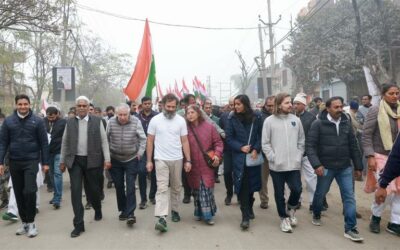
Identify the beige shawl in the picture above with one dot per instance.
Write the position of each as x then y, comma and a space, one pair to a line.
384, 123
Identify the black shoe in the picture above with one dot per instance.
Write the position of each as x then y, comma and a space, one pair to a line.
374, 224
325, 205
37, 210
109, 184
217, 180
50, 190
228, 200
264, 205
98, 215
393, 228
175, 216
186, 199
153, 201
251, 214
245, 224
51, 202
131, 220
4, 204
56, 206
143, 205
298, 206
77, 231
88, 206
122, 217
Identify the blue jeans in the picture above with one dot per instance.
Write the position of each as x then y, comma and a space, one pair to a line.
126, 201
57, 176
143, 180
344, 179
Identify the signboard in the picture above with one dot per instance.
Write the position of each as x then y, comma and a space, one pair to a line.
63, 79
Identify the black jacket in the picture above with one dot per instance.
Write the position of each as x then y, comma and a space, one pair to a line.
56, 131
392, 167
25, 138
325, 147
306, 120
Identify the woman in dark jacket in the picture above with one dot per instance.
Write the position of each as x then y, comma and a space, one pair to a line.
201, 177
247, 180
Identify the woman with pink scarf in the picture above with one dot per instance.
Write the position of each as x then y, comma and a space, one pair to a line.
381, 127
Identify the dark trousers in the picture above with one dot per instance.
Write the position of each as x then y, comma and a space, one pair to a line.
228, 172
293, 180
78, 174
143, 180
126, 201
23, 175
245, 196
187, 191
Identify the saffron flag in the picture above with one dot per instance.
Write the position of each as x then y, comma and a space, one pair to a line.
143, 78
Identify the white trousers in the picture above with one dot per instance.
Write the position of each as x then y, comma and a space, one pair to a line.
310, 178
393, 200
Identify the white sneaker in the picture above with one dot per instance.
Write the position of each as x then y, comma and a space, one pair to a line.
23, 229
292, 218
32, 230
285, 225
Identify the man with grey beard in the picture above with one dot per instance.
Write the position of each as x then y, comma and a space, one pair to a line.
167, 133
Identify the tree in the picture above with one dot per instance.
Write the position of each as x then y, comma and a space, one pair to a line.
327, 45
45, 50
100, 69
38, 15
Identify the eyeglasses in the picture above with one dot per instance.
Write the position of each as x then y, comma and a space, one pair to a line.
81, 106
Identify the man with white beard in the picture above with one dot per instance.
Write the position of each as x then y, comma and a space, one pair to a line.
167, 133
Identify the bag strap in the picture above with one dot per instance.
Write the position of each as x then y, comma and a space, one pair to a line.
197, 140
251, 130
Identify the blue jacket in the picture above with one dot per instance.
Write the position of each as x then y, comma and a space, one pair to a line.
237, 136
392, 167
25, 139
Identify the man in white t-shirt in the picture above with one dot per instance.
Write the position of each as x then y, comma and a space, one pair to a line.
167, 133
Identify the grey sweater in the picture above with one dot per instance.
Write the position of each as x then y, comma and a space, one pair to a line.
371, 137
127, 141
283, 142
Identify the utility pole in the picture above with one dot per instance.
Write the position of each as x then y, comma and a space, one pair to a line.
64, 47
271, 52
271, 41
261, 67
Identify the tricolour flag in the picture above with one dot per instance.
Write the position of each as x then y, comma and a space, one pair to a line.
159, 91
143, 78
185, 89
177, 92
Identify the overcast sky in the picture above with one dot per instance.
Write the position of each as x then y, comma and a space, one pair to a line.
183, 52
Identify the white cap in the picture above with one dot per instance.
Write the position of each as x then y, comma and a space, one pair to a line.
301, 97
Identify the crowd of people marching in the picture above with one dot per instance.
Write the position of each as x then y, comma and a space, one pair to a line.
184, 144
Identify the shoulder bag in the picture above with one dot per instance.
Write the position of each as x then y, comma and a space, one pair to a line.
250, 162
209, 155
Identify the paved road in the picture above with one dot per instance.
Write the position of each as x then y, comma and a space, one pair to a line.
264, 233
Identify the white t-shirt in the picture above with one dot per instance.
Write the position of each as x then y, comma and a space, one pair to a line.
167, 133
